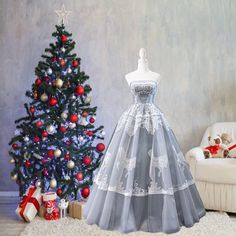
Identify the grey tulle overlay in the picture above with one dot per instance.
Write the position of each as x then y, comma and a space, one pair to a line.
143, 182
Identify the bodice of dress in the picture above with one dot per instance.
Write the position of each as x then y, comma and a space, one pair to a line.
143, 91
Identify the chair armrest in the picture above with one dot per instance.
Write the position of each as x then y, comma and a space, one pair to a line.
195, 153
192, 157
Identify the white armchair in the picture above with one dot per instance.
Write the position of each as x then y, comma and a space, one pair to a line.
215, 177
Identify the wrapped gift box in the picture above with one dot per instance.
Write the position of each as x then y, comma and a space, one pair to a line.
76, 209
29, 204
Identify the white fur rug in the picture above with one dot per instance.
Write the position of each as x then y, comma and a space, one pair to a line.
213, 224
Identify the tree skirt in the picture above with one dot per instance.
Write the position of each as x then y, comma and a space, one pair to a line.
214, 223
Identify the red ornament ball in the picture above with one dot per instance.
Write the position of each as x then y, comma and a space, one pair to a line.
38, 82
100, 147
14, 146
67, 142
27, 164
39, 123
32, 109
73, 118
50, 153
44, 134
87, 160
84, 114
79, 90
75, 63
45, 172
85, 192
53, 59
63, 38
79, 176
90, 133
36, 139
91, 120
52, 101
67, 157
62, 129
44, 161
46, 79
59, 192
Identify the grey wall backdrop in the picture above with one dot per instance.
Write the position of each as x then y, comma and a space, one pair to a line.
192, 44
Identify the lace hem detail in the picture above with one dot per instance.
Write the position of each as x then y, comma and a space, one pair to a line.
140, 192
125, 165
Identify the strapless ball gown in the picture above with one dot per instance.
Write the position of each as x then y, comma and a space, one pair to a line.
143, 182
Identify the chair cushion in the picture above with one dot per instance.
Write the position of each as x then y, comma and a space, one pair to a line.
216, 170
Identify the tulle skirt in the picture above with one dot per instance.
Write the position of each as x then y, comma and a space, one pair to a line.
143, 182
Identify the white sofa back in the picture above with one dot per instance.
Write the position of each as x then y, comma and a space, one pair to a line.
218, 129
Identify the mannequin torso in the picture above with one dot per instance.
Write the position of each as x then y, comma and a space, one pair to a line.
142, 73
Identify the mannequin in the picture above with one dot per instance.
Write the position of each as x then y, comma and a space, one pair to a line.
142, 73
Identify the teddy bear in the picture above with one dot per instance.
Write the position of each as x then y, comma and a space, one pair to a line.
218, 146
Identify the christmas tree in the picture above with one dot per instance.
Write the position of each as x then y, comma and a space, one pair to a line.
56, 144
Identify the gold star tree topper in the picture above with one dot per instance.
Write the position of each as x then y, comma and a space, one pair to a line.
63, 15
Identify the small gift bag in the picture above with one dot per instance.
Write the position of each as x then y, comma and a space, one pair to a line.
76, 209
29, 204
49, 201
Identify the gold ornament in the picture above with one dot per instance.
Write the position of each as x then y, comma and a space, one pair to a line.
14, 176
11, 161
50, 129
87, 100
70, 164
59, 83
64, 115
62, 62
53, 183
57, 153
35, 94
44, 97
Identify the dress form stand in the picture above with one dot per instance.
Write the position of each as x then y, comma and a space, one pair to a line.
142, 73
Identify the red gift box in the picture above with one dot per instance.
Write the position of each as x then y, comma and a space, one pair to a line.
29, 204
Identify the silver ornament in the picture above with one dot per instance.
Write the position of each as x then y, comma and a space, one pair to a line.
38, 183
26, 139
44, 97
53, 183
103, 133
70, 164
64, 115
72, 125
69, 70
67, 177
63, 49
49, 71
81, 138
73, 97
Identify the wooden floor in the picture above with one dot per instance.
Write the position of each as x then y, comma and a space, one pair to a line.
10, 225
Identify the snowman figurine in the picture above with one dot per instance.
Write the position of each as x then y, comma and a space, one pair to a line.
63, 206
